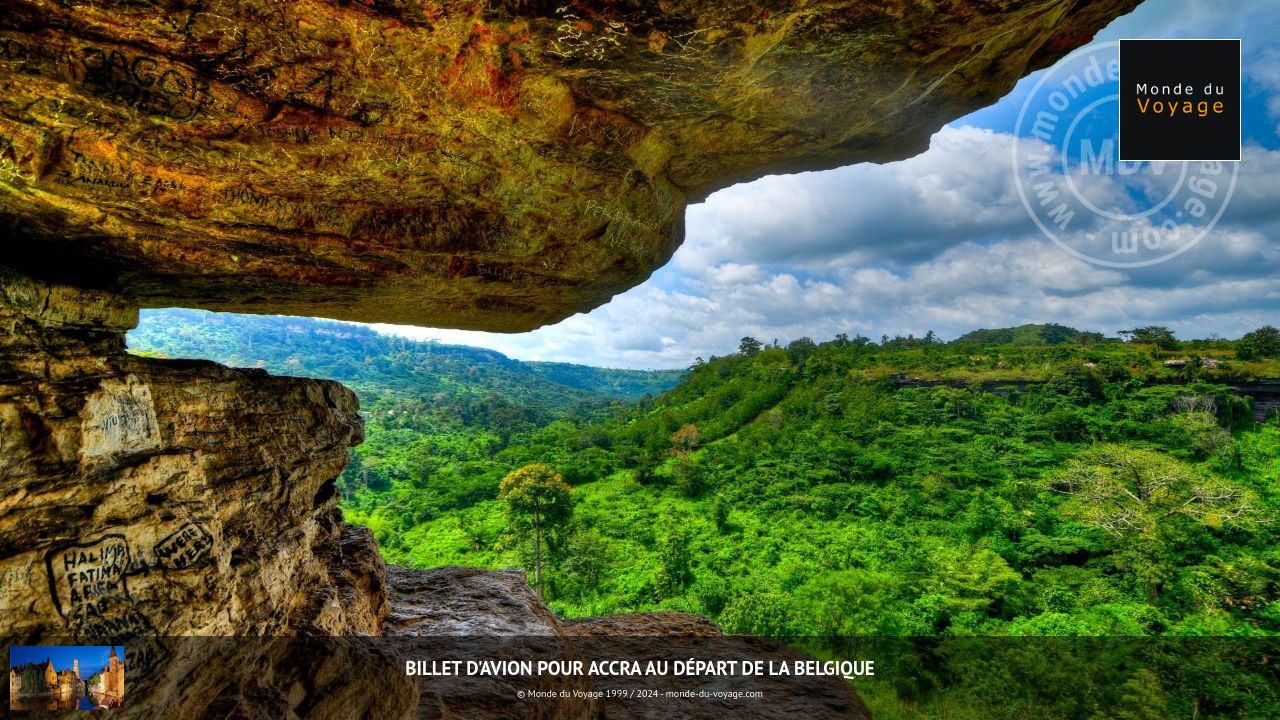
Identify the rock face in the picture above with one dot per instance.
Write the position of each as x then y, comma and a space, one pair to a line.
464, 601
466, 613
146, 501
490, 165
175, 497
1265, 393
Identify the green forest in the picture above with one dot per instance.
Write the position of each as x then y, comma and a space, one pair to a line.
1035, 481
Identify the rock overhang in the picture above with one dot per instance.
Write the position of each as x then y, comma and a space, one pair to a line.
481, 165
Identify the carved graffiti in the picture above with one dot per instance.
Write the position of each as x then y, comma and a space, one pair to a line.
624, 228
184, 547
460, 267
89, 586
493, 302
129, 624
94, 173
138, 81
144, 83
14, 576
86, 580
119, 417
134, 630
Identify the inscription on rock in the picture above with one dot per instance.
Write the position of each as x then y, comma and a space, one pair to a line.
119, 417
184, 547
87, 580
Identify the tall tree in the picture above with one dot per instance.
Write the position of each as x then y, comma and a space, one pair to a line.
538, 502
1158, 335
1140, 498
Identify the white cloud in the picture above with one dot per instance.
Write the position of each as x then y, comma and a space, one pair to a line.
960, 188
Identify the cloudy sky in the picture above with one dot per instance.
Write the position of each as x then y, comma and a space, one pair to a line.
939, 242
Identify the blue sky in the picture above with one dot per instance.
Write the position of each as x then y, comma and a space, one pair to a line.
92, 657
939, 242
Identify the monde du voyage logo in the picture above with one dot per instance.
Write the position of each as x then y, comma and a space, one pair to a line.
1126, 152
1180, 100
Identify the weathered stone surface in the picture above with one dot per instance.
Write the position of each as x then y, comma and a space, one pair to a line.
469, 614
275, 678
674, 624
482, 164
147, 496
465, 601
1265, 393
678, 636
159, 504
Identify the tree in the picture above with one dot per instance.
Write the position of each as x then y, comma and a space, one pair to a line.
674, 559
1200, 432
646, 470
686, 439
1140, 497
1158, 335
585, 563
1261, 343
719, 509
1130, 492
800, 349
758, 613
1141, 697
690, 475
537, 502
749, 346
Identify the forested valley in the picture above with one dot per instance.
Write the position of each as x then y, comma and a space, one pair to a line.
1036, 481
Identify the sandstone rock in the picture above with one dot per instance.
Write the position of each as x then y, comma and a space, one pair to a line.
488, 165
680, 636
463, 601
659, 624
159, 504
469, 614
275, 678
177, 497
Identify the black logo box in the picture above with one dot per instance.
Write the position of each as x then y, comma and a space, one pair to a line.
1189, 65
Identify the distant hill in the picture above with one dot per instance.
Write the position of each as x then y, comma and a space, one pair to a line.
1028, 335
626, 384
430, 409
374, 364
